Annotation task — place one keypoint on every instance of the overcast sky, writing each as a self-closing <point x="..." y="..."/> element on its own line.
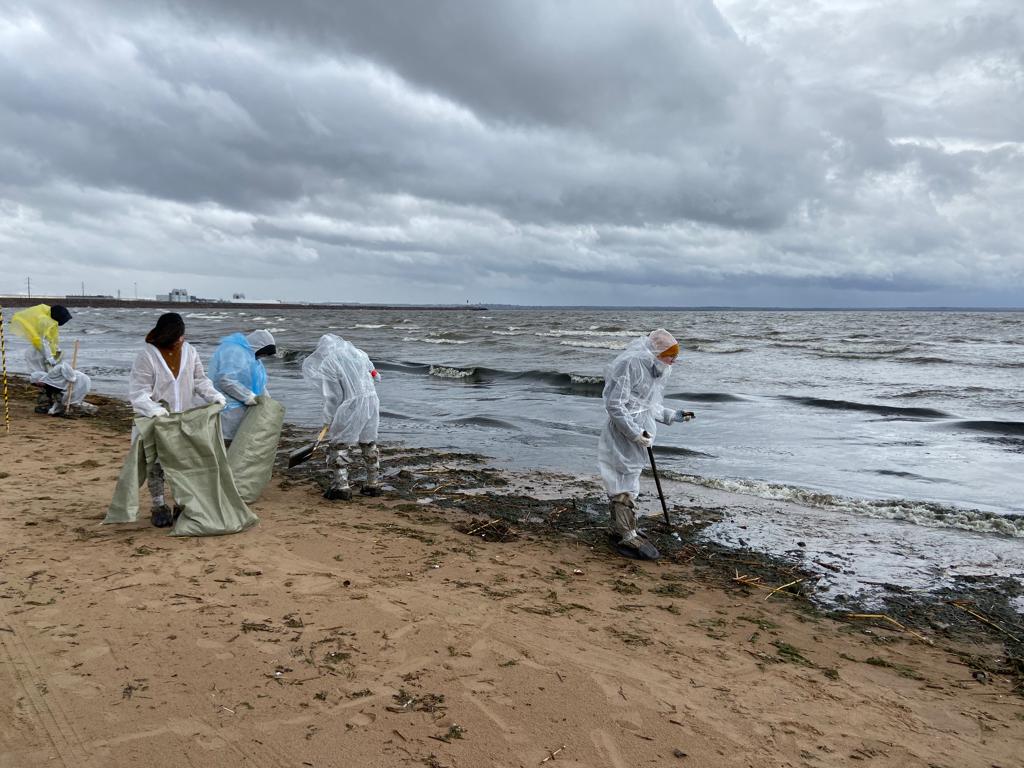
<point x="744" y="152"/>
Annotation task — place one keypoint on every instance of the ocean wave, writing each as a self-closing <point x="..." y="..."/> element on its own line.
<point x="925" y="360"/>
<point x="95" y="331"/>
<point x="202" y="316"/>
<point x="562" y="332"/>
<point x="708" y="397"/>
<point x="595" y="344"/>
<point x="369" y="325"/>
<point x="993" y="427"/>
<point x="433" y="340"/>
<point x="881" y="410"/>
<point x="930" y="514"/>
<point x="509" y="333"/>
<point x="485" y="421"/>
<point x="578" y="378"/>
<point x="447" y="372"/>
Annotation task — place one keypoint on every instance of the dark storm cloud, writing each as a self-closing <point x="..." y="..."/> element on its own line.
<point x="589" y="151"/>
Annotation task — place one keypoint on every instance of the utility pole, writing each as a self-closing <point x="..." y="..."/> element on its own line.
<point x="136" y="291"/>
<point x="83" y="287"/>
<point x="28" y="282"/>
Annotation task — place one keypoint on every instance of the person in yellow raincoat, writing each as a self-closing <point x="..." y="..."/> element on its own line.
<point x="38" y="326"/>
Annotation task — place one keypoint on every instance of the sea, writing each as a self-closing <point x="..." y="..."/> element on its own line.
<point x="882" y="425"/>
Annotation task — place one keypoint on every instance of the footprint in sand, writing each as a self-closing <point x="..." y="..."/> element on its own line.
<point x="361" y="719"/>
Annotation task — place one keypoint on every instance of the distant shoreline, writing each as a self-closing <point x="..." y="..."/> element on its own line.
<point x="104" y="302"/>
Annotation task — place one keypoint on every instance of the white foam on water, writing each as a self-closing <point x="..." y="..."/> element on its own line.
<point x="560" y="333"/>
<point x="923" y="513"/>
<point x="446" y="372"/>
<point x="509" y="333"/>
<point x="595" y="344"/>
<point x="578" y="378"/>
<point x="369" y="325"/>
<point x="429" y="340"/>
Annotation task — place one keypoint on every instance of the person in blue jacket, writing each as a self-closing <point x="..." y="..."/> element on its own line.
<point x="237" y="372"/>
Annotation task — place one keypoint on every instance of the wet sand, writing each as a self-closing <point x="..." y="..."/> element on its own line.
<point x="377" y="633"/>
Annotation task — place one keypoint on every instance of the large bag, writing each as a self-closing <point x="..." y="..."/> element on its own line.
<point x="252" y="452"/>
<point x="191" y="451"/>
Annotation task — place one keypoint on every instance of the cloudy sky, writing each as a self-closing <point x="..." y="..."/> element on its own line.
<point x="738" y="152"/>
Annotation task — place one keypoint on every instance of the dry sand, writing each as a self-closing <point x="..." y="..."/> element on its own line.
<point x="372" y="633"/>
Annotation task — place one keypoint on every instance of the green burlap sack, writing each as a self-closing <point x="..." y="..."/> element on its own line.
<point x="251" y="454"/>
<point x="191" y="451"/>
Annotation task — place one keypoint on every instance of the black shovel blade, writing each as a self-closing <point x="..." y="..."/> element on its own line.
<point x="300" y="455"/>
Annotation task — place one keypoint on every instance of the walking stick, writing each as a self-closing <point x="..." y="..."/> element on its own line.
<point x="3" y="358"/>
<point x="71" y="384"/>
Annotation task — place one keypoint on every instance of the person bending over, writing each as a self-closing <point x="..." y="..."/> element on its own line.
<point x="345" y="378"/>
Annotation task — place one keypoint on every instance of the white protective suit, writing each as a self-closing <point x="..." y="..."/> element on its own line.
<point x="633" y="391"/>
<point x="345" y="378"/>
<point x="151" y="382"/>
<point x="60" y="376"/>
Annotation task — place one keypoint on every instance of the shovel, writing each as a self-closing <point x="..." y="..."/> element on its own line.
<point x="300" y="455"/>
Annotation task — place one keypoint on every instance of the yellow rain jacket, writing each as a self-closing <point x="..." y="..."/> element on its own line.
<point x="36" y="326"/>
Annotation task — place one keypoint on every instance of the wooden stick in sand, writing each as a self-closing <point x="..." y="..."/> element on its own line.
<point x="71" y="384"/>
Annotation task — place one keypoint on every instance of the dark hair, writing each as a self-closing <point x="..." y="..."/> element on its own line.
<point x="168" y="329"/>
<point x="268" y="351"/>
<point x="59" y="313"/>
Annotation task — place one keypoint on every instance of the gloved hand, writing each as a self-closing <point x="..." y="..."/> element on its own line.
<point x="220" y="399"/>
<point x="684" y="416"/>
<point x="161" y="412"/>
<point x="251" y="400"/>
<point x="644" y="439"/>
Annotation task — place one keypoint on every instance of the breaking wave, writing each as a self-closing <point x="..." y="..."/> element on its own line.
<point x="881" y="410"/>
<point x="930" y="514"/>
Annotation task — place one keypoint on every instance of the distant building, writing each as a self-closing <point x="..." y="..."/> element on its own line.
<point x="176" y="296"/>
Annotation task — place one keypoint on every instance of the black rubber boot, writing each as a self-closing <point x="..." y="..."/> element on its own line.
<point x="338" y="494"/>
<point x="161" y="517"/>
<point x="370" y="490"/>
<point x="639" y="548"/>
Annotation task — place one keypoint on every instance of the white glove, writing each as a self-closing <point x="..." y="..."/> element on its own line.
<point x="683" y="416"/>
<point x="644" y="439"/>
<point x="161" y="411"/>
<point x="251" y="400"/>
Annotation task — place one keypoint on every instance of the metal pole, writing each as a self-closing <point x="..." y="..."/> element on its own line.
<point x="3" y="358"/>
<point x="657" y="482"/>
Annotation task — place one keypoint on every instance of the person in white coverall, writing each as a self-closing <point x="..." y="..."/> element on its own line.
<point x="55" y="383"/>
<point x="345" y="378"/>
<point x="167" y="377"/>
<point x="633" y="391"/>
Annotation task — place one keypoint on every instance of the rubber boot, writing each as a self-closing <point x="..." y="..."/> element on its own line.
<point x="371" y="457"/>
<point x="338" y="460"/>
<point x="161" y="516"/>
<point x="626" y="540"/>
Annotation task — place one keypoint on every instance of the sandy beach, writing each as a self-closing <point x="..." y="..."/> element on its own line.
<point x="377" y="633"/>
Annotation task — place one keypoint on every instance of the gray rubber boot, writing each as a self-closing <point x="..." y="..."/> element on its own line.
<point x="338" y="460"/>
<point x="371" y="457"/>
<point x="623" y="514"/>
<point x="626" y="539"/>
